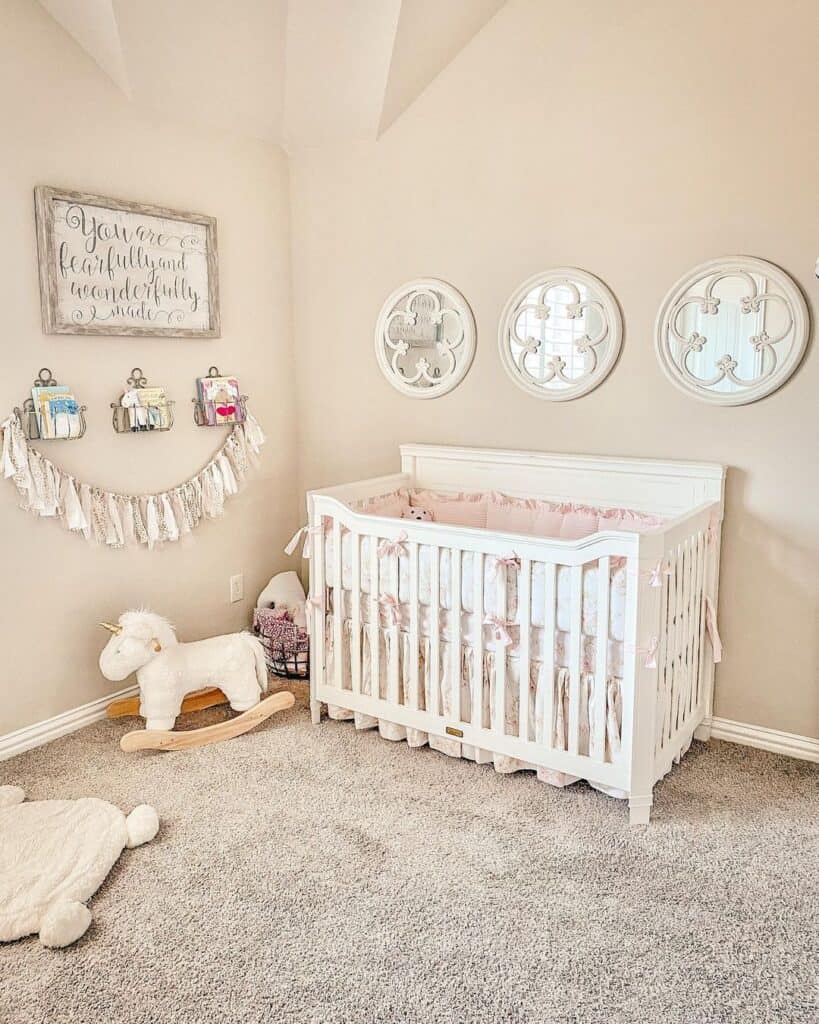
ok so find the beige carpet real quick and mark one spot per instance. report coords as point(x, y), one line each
point(323, 875)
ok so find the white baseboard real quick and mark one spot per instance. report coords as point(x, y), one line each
point(14, 743)
point(787, 743)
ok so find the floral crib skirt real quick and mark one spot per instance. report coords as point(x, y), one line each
point(394, 643)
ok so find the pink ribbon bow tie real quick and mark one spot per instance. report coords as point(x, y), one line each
point(307, 532)
point(500, 632)
point(650, 653)
point(655, 575)
point(713, 632)
point(393, 547)
point(392, 609)
point(510, 562)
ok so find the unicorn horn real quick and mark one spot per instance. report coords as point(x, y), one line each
point(116, 630)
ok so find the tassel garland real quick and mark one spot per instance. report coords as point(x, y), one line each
point(118, 520)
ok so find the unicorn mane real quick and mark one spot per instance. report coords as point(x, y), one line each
point(146, 625)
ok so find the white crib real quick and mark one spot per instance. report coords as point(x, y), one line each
point(409, 629)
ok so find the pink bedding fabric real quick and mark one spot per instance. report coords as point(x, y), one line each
point(501, 513)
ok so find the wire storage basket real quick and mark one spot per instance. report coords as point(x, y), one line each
point(286, 645)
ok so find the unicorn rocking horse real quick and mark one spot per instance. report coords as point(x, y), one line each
point(222, 669)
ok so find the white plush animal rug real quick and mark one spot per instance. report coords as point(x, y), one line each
point(54, 855)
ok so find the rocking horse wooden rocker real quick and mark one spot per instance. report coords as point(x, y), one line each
point(175, 677)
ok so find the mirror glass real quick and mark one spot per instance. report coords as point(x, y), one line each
point(560, 334)
point(732, 331)
point(425, 338)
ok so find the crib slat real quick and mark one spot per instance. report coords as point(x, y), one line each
point(455, 631)
point(524, 653)
point(499, 722)
point(699, 623)
point(394, 654)
point(413, 627)
point(670, 640)
point(549, 584)
point(597, 726)
point(338, 608)
point(375, 685)
point(682, 637)
point(575, 641)
point(433, 669)
point(477, 608)
point(688, 626)
point(676, 672)
point(319, 594)
point(662, 660)
point(355, 617)
point(693, 627)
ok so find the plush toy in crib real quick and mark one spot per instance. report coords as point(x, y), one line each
point(423, 515)
point(232, 666)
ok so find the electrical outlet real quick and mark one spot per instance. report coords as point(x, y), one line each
point(237, 587)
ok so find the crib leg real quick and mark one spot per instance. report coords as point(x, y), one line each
point(315, 711)
point(703, 732)
point(639, 810)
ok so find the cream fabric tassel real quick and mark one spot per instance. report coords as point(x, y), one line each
point(139, 521)
point(171, 527)
point(254, 435)
point(51, 489)
point(115, 530)
point(152, 522)
point(36, 500)
point(218, 489)
point(9, 469)
point(206, 487)
point(85, 504)
point(73, 513)
point(19, 453)
point(231, 487)
point(179, 512)
point(127, 519)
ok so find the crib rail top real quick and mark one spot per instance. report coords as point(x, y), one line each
point(664, 487)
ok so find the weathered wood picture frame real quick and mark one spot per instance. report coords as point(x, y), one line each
point(112, 267)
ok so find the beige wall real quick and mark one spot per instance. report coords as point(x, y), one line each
point(634, 140)
point(63, 123)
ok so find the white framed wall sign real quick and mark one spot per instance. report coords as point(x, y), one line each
point(560, 334)
point(113, 267)
point(425, 338)
point(732, 330)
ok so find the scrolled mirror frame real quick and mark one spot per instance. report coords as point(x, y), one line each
point(448, 301)
point(709, 274)
point(601, 362)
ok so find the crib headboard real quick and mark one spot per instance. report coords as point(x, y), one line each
point(666, 488)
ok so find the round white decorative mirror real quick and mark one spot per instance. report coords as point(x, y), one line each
point(425, 338)
point(560, 334)
point(732, 330)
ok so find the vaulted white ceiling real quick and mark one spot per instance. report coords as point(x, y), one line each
point(297, 72)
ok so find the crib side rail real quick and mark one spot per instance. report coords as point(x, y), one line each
point(685, 657)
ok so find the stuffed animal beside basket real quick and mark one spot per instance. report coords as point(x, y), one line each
point(167, 671)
